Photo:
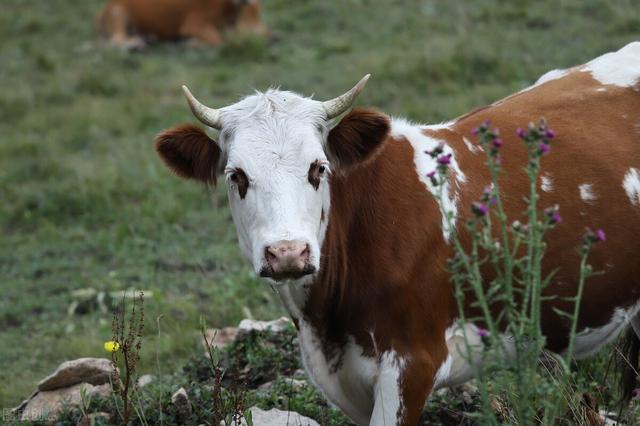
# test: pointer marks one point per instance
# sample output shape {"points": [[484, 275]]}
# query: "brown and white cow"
{"points": [[340, 218], [131, 23]]}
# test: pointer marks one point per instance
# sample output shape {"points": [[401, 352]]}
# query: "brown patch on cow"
{"points": [[357, 136], [378, 269], [240, 180], [189, 152]]}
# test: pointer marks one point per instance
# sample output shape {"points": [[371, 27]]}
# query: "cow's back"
{"points": [[592, 173]]}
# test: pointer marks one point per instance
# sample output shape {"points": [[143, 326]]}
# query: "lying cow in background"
{"points": [[340, 219], [132, 23]]}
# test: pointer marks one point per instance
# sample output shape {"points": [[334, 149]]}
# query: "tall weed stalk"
{"points": [[498, 273]]}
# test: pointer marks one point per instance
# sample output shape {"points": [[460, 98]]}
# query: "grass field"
{"points": [[85, 202]]}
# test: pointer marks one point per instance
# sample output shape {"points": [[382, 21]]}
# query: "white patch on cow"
{"points": [[459, 369], [443, 373], [442, 126], [621, 68], [601, 89], [549, 76], [631, 185], [546, 77], [590, 340], [388, 392], [365, 388], [351, 387], [424, 164], [274, 137], [586, 193], [546, 183], [473, 148], [460, 352]]}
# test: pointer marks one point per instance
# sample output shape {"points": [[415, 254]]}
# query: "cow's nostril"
{"points": [[270, 254], [305, 253]]}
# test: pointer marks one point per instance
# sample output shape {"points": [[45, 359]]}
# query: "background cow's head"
{"points": [[276, 151]]}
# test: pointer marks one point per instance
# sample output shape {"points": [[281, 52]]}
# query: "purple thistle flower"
{"points": [[550, 133], [544, 148], [431, 174], [444, 160], [483, 333], [479, 209], [474, 131], [497, 143], [521, 132], [601, 236], [636, 393], [553, 214]]}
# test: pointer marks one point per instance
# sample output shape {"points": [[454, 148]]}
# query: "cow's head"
{"points": [[276, 151]]}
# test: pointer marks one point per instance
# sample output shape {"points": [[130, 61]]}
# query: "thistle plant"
{"points": [[125, 346], [497, 272]]}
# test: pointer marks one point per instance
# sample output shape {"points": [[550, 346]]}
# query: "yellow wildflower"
{"points": [[111, 346]]}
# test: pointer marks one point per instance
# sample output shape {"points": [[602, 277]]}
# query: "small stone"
{"points": [[275, 326], [275, 417], [144, 380], [181, 400], [219, 338], [47, 405], [295, 384], [95, 371]]}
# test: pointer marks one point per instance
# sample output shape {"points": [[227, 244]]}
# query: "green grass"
{"points": [[85, 202]]}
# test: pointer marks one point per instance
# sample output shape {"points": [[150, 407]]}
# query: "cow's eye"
{"points": [[240, 180], [316, 172]]}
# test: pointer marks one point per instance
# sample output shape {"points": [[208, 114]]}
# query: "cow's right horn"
{"points": [[209, 116], [337, 106]]}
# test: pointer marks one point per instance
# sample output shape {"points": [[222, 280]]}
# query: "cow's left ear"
{"points": [[189, 152], [357, 136]]}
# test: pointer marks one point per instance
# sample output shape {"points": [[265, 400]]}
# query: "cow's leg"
{"points": [[199, 31], [400, 392], [113, 23]]}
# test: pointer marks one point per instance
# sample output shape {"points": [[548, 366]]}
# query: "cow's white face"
{"points": [[273, 152], [276, 174]]}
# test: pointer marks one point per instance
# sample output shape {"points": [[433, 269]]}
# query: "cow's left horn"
{"points": [[209, 116], [337, 106]]}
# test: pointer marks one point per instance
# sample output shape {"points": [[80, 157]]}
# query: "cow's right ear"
{"points": [[357, 136], [189, 152]]}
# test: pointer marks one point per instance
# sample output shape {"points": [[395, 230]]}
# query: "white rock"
{"points": [[47, 405], [144, 380], [275, 326], [275, 417], [295, 384], [95, 371], [181, 400], [219, 338]]}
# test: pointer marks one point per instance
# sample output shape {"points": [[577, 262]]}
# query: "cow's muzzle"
{"points": [[286, 260]]}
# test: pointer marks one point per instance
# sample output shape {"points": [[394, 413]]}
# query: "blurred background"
{"points": [[87, 210]]}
